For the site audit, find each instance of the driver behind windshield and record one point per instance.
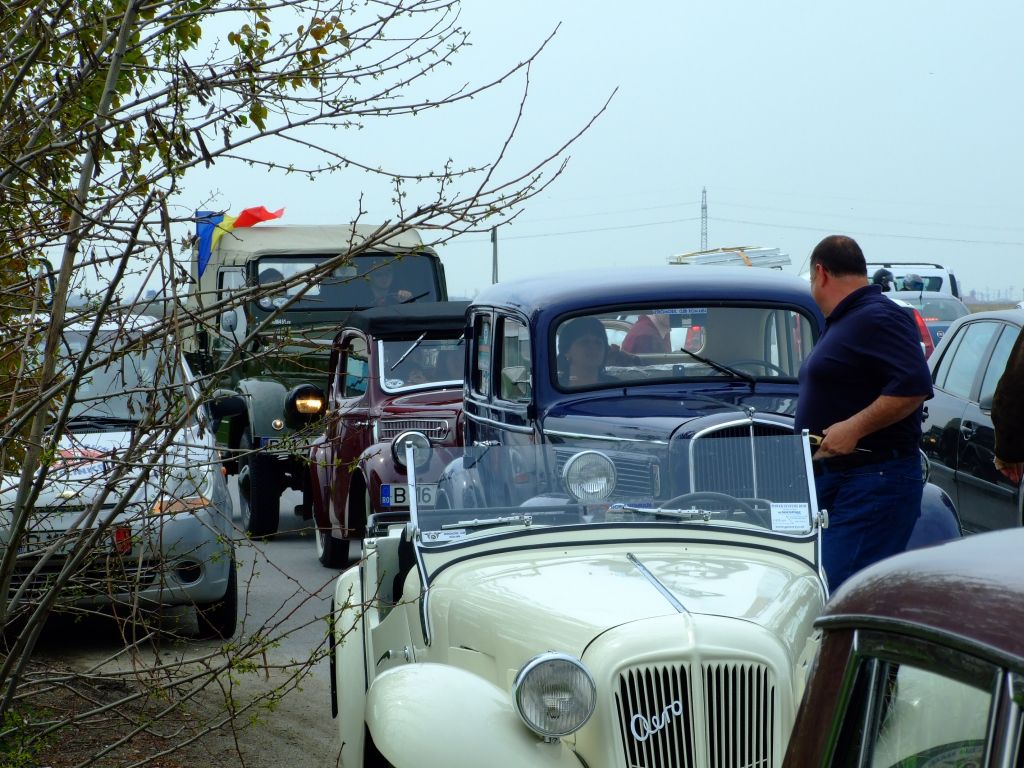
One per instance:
(582, 352)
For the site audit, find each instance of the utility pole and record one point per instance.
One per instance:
(704, 218)
(494, 254)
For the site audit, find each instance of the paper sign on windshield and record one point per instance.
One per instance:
(790, 517)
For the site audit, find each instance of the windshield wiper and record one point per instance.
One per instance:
(408, 351)
(677, 514)
(411, 299)
(483, 522)
(101, 421)
(722, 367)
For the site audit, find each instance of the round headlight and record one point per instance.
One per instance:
(554, 694)
(589, 476)
(420, 449)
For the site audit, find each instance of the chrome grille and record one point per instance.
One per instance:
(655, 717)
(633, 473)
(739, 707)
(749, 468)
(725, 720)
(435, 429)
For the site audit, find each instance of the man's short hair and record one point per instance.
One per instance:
(840, 255)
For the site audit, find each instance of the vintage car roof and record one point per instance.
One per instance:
(406, 318)
(970, 591)
(603, 287)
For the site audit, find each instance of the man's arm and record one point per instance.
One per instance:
(842, 437)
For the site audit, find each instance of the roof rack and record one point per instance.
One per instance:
(749, 256)
(905, 264)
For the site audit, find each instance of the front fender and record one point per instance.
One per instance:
(266, 403)
(938, 522)
(348, 665)
(437, 716)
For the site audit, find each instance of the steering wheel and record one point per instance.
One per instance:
(758, 514)
(768, 367)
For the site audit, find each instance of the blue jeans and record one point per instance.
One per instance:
(871, 514)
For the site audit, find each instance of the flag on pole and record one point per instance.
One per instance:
(211, 227)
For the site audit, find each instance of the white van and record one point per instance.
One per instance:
(934, 277)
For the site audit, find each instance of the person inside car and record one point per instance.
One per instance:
(382, 292)
(650, 333)
(582, 352)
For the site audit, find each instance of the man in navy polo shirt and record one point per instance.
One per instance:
(861, 390)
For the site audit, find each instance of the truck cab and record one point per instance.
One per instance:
(266, 306)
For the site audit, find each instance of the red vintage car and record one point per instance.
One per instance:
(395, 376)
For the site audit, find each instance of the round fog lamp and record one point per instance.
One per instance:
(554, 694)
(420, 449)
(589, 476)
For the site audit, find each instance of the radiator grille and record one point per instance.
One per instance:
(725, 719)
(435, 429)
(749, 468)
(100, 577)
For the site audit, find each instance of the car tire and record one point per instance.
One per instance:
(259, 491)
(331, 552)
(219, 620)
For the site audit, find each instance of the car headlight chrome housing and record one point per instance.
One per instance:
(421, 449)
(554, 694)
(589, 476)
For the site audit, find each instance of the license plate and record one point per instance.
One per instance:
(37, 541)
(397, 495)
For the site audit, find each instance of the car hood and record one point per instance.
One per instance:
(554, 599)
(85, 462)
(655, 416)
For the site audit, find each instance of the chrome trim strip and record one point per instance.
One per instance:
(672, 599)
(608, 438)
(499, 424)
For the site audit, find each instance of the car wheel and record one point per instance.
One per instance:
(219, 619)
(331, 552)
(259, 491)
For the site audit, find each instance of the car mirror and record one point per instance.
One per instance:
(229, 321)
(224, 403)
(986, 402)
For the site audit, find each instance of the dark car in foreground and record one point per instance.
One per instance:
(957, 432)
(921, 663)
(392, 369)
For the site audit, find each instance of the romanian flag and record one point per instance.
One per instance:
(211, 227)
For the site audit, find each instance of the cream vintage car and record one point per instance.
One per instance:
(583, 627)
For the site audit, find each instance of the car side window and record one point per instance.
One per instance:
(516, 380)
(916, 707)
(482, 355)
(356, 369)
(967, 360)
(997, 363)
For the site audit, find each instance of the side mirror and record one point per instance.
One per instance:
(986, 403)
(229, 320)
(224, 403)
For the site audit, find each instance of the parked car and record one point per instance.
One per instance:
(919, 276)
(621, 565)
(957, 431)
(921, 663)
(133, 510)
(937, 310)
(392, 370)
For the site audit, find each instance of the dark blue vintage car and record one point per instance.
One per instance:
(628, 378)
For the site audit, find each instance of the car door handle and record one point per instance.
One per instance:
(967, 429)
(485, 443)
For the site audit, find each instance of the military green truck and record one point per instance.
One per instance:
(266, 306)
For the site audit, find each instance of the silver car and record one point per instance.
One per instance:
(132, 507)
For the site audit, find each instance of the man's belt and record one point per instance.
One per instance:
(861, 458)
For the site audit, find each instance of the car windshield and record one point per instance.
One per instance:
(421, 362)
(666, 344)
(124, 379)
(757, 484)
(367, 281)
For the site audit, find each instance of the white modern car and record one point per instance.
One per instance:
(132, 508)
